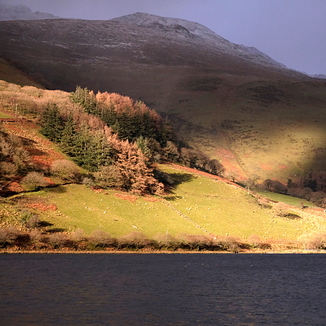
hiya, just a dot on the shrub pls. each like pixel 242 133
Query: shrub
pixel 228 243
pixel 7 168
pixel 36 236
pixel 33 181
pixel 314 240
pixel 254 240
pixel 100 239
pixel 300 192
pixel 280 210
pixel 135 240
pixel 8 236
pixel 274 186
pixel 29 220
pixel 60 240
pixel 22 240
pixel 319 198
pixel 33 222
pixel 171 152
pixel 196 242
pixel 88 182
pixel 79 235
pixel 166 241
pixel 109 176
pixel 14 158
pixel 65 170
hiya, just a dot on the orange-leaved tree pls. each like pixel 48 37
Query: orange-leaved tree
pixel 135 175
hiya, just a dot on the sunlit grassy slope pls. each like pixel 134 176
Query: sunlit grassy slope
pixel 197 205
pixel 258 129
pixel 285 198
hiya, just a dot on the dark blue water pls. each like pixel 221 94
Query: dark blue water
pixel 158 289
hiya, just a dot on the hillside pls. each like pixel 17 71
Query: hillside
pixel 11 74
pixel 260 119
pixel 198 204
pixel 197 210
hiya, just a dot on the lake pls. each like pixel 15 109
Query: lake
pixel 162 289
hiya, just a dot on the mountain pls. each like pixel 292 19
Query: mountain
pixel 180 29
pixel 321 76
pixel 261 119
pixel 50 47
pixel 21 12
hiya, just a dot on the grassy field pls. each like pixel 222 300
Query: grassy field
pixel 4 116
pixel 198 205
pixel 286 199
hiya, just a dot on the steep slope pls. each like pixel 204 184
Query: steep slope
pixel 190 31
pixel 235 103
pixel 11 74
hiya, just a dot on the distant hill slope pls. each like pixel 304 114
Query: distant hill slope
pixel 13 75
pixel 259 118
pixel 21 12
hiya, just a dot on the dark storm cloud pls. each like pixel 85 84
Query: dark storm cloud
pixel 290 31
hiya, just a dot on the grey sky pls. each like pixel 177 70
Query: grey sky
pixel 292 32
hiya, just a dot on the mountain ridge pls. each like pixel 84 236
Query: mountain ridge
pixel 21 12
pixel 193 30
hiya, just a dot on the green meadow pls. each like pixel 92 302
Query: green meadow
pixel 197 205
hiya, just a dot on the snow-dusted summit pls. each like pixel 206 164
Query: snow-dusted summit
pixel 21 12
pixel 319 76
pixel 181 28
pixel 185 27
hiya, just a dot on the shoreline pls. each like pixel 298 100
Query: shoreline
pixel 146 252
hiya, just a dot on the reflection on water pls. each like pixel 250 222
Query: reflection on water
pixel 178 289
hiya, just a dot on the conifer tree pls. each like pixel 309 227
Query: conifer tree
pixel 68 139
pixel 86 98
pixel 83 154
pixel 52 123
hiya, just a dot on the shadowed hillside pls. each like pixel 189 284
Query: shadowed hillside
pixel 13 75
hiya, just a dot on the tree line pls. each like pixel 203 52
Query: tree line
pixel 311 187
pixel 115 139
pixel 134 121
pixel 118 140
pixel 97 149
